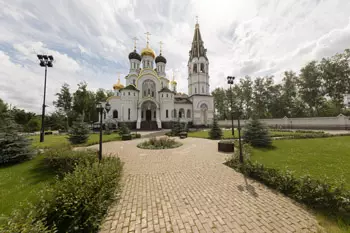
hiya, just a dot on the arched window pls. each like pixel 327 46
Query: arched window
pixel 148 86
pixel 133 81
pixel 195 90
pixel 202 89
pixel 128 113
pixel 115 114
pixel 195 68
pixel 188 113
pixel 182 113
pixel 166 113
pixel 202 68
pixel 174 113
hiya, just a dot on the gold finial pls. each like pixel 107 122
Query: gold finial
pixel 147 38
pixel 160 45
pixel 135 41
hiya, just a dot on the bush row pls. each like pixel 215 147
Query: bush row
pixel 315 193
pixel 159 143
pixel 75 203
pixel 305 136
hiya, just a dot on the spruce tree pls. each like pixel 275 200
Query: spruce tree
pixel 176 128
pixel 123 129
pixel 215 131
pixel 79 132
pixel 257 134
pixel 14 147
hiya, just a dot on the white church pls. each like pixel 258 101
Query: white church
pixel 150 101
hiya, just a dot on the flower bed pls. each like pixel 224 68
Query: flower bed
pixel 159 143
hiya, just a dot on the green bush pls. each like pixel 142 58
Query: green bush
pixel 256 134
pixel 126 137
pixel 159 143
pixel 136 135
pixel 123 129
pixel 65 160
pixel 76 203
pixel 175 128
pixel 215 131
pixel 13 146
pixel 79 132
pixel 315 193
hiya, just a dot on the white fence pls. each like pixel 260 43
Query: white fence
pixel 340 122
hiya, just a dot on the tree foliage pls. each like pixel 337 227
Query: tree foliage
pixel 256 134
pixel 14 147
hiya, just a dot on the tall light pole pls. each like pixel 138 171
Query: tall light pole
pixel 45 61
pixel 230 80
pixel 100 110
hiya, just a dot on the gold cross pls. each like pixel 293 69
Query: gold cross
pixel 135 40
pixel 160 45
pixel 147 37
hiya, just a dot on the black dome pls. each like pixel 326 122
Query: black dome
pixel 134 55
pixel 160 58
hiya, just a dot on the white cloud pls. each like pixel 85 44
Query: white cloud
pixel 91 39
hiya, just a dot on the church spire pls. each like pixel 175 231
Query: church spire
pixel 197 48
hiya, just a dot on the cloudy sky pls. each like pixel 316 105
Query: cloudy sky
pixel 90 39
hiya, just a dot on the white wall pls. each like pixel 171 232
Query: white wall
pixel 338 122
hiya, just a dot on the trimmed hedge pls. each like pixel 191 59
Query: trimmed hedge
pixel 76 203
pixel 314 193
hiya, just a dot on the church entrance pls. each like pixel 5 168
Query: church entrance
pixel 149 115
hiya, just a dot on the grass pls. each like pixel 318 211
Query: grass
pixel 321 158
pixel 228 134
pixel 57 141
pixel 20 183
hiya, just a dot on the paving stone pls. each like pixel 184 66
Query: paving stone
pixel 189 189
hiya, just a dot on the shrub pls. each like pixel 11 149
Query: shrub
pixel 136 135
pixel 215 131
pixel 79 132
pixel 13 146
pixel 159 143
pixel 257 134
pixel 123 129
pixel 315 193
pixel 126 137
pixel 65 160
pixel 77 203
pixel 176 128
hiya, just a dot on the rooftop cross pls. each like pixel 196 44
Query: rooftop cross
pixel 135 41
pixel 147 38
pixel 160 45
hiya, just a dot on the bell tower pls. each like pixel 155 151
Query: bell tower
pixel 198 66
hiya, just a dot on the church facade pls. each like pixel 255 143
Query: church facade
pixel 150 101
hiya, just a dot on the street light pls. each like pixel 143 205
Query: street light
pixel 100 109
pixel 45 61
pixel 230 80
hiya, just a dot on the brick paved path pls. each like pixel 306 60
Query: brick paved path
pixel 188 189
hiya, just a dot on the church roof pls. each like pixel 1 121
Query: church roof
pixel 182 100
pixel 165 89
pixel 197 49
pixel 130 87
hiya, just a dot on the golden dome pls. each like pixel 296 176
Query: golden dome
pixel 173 82
pixel 148 52
pixel 118 85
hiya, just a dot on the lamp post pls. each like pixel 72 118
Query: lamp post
pixel 230 80
pixel 45 61
pixel 100 110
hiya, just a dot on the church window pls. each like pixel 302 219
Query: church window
pixel 195 90
pixel 174 112
pixel 149 91
pixel 202 89
pixel 162 95
pixel 154 114
pixel 167 95
pixel 180 114
pixel 167 113
pixel 123 93
pixel 129 93
pixel 195 68
pixel 144 93
pixel 134 94
pixel 115 114
pixel 202 67
pixel 188 113
pixel 133 81
pixel 162 84
pixel 128 113
pixel 152 93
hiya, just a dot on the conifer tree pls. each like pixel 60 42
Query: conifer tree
pixel 79 132
pixel 215 131
pixel 257 134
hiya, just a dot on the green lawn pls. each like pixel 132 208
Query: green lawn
pixel 56 141
pixel 228 134
pixel 20 183
pixel 319 157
